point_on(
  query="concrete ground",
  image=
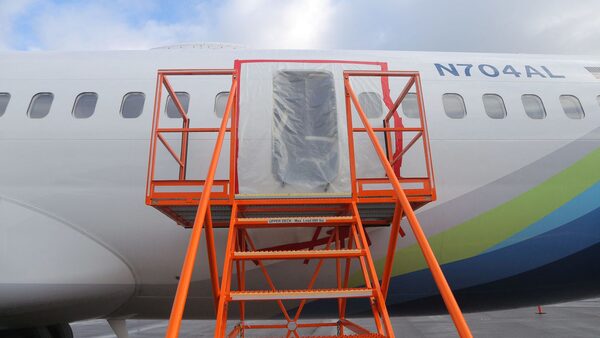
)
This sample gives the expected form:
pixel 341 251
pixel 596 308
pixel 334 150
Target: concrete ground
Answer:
pixel 574 319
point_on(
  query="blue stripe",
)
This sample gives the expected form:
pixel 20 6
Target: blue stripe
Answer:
pixel 502 263
pixel 577 207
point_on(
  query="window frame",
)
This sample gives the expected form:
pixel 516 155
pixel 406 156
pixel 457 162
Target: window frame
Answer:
pixel 125 97
pixel 580 107
pixel 32 103
pixel 77 98
pixel 404 101
pixel 215 105
pixel 378 100
pixel 5 94
pixel 501 100
pixel 186 109
pixel 541 103
pixel 463 104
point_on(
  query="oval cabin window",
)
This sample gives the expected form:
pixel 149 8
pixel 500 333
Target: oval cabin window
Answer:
pixel 454 106
pixel 85 105
pixel 221 103
pixel 572 107
pixel 132 105
pixel 371 103
pixel 172 111
pixel 40 105
pixel 410 106
pixel 4 99
pixel 534 107
pixel 494 106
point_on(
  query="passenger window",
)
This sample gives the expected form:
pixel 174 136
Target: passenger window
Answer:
pixel 4 99
pixel 534 107
pixel 85 105
pixel 371 104
pixel 454 105
pixel 494 106
pixel 40 105
pixel 410 106
pixel 572 107
pixel 133 105
pixel 221 103
pixel 172 111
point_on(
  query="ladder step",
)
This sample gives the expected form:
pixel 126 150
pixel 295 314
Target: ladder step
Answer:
pixel 297 254
pixel 310 221
pixel 300 294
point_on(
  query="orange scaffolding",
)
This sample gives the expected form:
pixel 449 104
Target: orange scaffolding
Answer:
pixel 338 223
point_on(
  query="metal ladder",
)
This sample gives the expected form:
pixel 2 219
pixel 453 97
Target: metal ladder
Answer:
pixel 346 240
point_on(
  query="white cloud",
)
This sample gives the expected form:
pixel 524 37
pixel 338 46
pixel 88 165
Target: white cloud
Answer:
pixel 574 28
pixel 539 26
pixel 276 24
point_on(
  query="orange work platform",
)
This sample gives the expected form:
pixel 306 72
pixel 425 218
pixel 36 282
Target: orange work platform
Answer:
pixel 337 221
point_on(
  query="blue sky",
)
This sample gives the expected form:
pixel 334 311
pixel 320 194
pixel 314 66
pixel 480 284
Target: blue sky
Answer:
pixel 515 26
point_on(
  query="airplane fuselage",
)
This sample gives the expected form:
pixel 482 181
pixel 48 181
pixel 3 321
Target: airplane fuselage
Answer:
pixel 515 222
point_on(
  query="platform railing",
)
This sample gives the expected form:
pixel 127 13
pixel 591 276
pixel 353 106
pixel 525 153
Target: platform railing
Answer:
pixel 422 186
pixel 182 191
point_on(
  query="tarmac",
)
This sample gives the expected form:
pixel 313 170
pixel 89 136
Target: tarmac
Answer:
pixel 573 319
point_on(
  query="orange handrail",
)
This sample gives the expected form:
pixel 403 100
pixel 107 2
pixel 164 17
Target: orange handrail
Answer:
pixel 436 271
pixel 203 206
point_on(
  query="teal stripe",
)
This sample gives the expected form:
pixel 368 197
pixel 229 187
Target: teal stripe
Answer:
pixel 576 208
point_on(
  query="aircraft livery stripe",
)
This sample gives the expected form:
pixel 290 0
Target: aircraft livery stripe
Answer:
pixel 575 208
pixel 494 226
pixel 506 262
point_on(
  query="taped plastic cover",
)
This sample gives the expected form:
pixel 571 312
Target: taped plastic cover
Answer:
pixel 304 133
pixel 293 131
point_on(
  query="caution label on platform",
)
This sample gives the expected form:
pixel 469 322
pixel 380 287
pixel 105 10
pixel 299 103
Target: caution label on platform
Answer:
pixel 297 220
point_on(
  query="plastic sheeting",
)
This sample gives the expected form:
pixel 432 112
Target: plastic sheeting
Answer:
pixel 293 131
pixel 304 133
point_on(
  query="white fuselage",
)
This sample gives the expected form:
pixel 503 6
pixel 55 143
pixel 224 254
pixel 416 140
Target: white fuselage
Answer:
pixel 76 238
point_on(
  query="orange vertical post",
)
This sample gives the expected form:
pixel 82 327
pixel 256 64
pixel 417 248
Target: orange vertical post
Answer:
pixel 221 323
pixel 394 233
pixel 212 258
pixel 155 121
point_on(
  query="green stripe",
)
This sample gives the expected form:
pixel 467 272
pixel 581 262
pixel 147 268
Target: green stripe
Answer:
pixel 490 228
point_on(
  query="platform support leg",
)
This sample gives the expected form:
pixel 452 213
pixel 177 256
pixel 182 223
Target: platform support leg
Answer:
pixel 212 258
pixel 389 260
pixel 184 280
pixel 221 324
pixel 346 280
